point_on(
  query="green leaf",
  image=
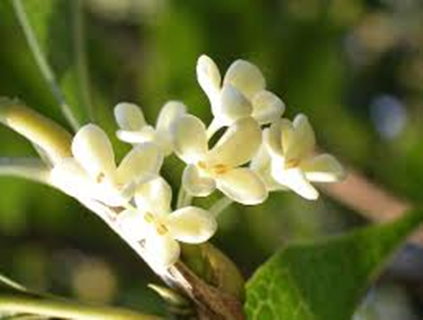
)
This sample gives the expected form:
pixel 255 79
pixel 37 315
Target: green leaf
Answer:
pixel 324 280
pixel 54 32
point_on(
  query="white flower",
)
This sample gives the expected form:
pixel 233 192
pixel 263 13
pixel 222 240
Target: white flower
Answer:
pixel 158 229
pixel 241 93
pixel 135 130
pixel 293 163
pixel 92 172
pixel 220 167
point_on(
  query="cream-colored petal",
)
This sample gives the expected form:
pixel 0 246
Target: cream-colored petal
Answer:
pixel 261 159
pixel 190 139
pixel 242 185
pixel 129 116
pixel 238 145
pixel 71 178
pixel 92 149
pixel 154 196
pixel 272 137
pixel 191 225
pixel 195 183
pixel 133 225
pixel 295 180
pixel 261 164
pixel 161 250
pixel 246 77
pixel 303 141
pixel 170 112
pixel 233 106
pixel 140 164
pixel 323 168
pixel 208 77
pixel 267 107
pixel 145 134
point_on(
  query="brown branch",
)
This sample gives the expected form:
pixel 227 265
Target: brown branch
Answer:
pixel 369 199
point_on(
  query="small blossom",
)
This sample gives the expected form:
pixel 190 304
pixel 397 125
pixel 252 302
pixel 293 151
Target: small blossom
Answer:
pixel 92 172
pixel 241 93
pixel 158 229
pixel 134 129
pixel 293 164
pixel 220 167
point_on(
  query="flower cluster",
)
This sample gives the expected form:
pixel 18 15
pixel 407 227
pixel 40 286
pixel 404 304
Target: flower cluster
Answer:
pixel 256 152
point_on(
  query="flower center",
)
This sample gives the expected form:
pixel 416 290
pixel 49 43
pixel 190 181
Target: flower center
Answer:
pixel 160 227
pixel 213 170
pixel 100 177
pixel 292 163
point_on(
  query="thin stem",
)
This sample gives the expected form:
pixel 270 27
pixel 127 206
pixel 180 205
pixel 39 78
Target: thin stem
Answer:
pixel 32 304
pixel 28 168
pixel 81 57
pixel 43 65
pixel 219 206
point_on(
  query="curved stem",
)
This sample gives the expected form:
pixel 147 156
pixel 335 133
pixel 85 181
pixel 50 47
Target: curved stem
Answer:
pixel 32 304
pixel 219 206
pixel 42 63
pixel 27 168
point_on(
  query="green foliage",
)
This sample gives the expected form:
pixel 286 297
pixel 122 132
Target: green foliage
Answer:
pixel 324 280
pixel 54 33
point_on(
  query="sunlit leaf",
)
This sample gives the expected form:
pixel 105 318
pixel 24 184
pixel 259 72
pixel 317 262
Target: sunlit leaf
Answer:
pixel 324 280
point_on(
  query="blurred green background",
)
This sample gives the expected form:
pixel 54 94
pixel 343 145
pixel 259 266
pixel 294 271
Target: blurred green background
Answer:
pixel 355 67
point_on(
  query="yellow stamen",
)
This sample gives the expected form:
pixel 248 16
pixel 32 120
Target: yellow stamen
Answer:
pixel 202 165
pixel 100 177
pixel 161 229
pixel 220 168
pixel 292 163
pixel 149 217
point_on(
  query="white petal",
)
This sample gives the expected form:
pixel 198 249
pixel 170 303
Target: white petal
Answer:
pixel 132 224
pixel 71 178
pixel 208 76
pixel 295 180
pixel 170 112
pixel 191 225
pixel 92 149
pixel 238 145
pixel 233 106
pixel 242 185
pixel 246 77
pixel 196 184
pixel 267 107
pixel 190 139
pixel 261 159
pixel 323 168
pixel 272 136
pixel 145 134
pixel 302 142
pixel 129 116
pixel 140 164
pixel 161 250
pixel 154 196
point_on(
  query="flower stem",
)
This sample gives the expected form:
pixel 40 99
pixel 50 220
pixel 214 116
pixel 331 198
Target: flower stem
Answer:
pixel 27 168
pixel 220 205
pixel 58 308
pixel 43 64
